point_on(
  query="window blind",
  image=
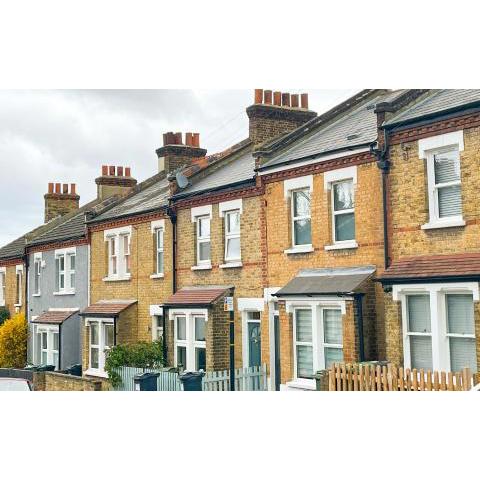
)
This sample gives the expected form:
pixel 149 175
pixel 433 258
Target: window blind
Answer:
pixel 419 313
pixel 447 170
pixel 463 353
pixel 332 326
pixel 449 201
pixel 304 361
pixel 421 352
pixel 333 355
pixel 303 320
pixel 460 314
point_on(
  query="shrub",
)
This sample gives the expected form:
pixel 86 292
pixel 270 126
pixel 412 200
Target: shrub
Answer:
pixel 13 342
pixel 4 315
pixel 139 355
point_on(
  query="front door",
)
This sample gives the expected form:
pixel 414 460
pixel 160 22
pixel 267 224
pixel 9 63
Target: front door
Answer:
pixel 254 344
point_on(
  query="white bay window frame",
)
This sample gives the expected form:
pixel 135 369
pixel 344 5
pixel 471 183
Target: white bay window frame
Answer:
pixel 438 318
pixel 46 353
pixel 101 346
pixel 119 252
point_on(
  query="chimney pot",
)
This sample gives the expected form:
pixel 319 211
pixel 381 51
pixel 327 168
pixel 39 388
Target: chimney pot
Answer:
pixel 258 95
pixel 286 99
pixel 111 170
pixel 104 170
pixel 57 188
pixel 189 139
pixel 50 188
pixel 65 188
pixel 178 138
pixel 119 171
pixel 268 97
pixel 73 188
pixel 196 140
pixel 294 100
pixel 277 98
pixel 304 99
pixel 127 171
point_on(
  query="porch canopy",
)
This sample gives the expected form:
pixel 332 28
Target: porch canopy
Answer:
pixel 463 266
pixel 107 308
pixel 327 281
pixel 197 296
pixel 56 317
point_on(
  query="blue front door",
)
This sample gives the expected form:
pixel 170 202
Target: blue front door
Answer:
pixel 254 345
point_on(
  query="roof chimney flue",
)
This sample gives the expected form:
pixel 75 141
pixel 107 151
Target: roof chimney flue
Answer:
pixel 114 180
pixel 60 199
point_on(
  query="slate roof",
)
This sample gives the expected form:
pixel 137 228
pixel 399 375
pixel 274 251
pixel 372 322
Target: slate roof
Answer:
pixel 196 296
pixel 436 102
pixel 327 281
pixel 107 308
pixel 355 128
pixel 433 266
pixel 148 195
pixel 56 317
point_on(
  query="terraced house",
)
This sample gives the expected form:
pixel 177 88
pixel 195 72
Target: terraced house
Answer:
pixel 431 283
pixel 220 251
pixel 324 239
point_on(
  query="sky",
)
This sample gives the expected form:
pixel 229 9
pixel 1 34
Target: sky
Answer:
pixel 65 136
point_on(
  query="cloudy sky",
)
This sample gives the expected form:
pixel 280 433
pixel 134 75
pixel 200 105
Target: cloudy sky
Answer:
pixel 66 135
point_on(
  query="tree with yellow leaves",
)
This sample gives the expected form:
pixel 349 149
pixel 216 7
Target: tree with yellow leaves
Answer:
pixel 13 342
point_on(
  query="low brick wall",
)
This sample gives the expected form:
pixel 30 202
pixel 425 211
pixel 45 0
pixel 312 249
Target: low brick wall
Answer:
pixel 52 381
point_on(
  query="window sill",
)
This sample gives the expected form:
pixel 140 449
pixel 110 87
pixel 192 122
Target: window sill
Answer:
pixel 301 384
pixel 18 305
pixel 457 222
pixel 36 294
pixel 202 267
pixel 93 372
pixel 342 246
pixel 117 279
pixel 2 304
pixel 232 265
pixel 72 292
pixel 157 275
pixel 299 249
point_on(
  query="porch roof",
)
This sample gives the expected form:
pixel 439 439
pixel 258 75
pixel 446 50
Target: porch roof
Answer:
pixel 327 281
pixel 56 317
pixel 198 296
pixel 107 308
pixel 433 267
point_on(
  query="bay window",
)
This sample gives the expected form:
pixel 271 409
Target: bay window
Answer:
pixel 47 344
pixel 303 334
pixel 190 340
pixel 101 340
pixel 332 336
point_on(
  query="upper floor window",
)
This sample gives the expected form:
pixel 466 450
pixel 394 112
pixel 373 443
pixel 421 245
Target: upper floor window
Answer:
pixel 343 211
pixel 2 286
pixel 118 249
pixel 159 250
pixel 37 265
pixel 203 240
pixel 442 154
pixel 19 286
pixel 301 221
pixel 65 271
pixel 232 236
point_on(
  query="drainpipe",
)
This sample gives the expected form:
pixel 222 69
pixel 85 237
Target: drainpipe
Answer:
pixel 358 301
pixel 172 214
pixel 60 346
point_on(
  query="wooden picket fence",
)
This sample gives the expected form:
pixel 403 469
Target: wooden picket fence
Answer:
pixel 358 377
pixel 250 379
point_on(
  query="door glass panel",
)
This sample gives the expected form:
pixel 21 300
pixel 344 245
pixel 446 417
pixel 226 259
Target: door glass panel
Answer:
pixel 254 344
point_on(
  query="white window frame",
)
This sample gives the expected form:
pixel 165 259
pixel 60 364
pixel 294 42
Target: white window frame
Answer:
pixel 3 281
pixel 438 317
pixel 189 343
pixel 203 239
pixel 18 285
pixel 49 331
pixel 117 253
pixel 102 323
pixel 37 274
pixel 336 213
pixel 159 250
pixel 428 148
pixel 67 272
pixel 300 217
pixel 232 236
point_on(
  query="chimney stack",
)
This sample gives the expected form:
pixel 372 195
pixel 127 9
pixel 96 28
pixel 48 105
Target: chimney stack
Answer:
pixel 114 181
pixel 277 113
pixel 175 154
pixel 60 200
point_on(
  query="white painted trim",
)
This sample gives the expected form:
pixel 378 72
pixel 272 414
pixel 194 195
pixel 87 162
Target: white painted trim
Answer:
pixel 201 211
pixel 314 161
pixel 348 244
pixel 458 287
pixel 117 278
pixel 230 205
pixel 37 256
pixel 66 251
pixel 268 292
pixel 18 268
pixel 113 232
pixel 206 266
pixel 296 184
pixel 231 265
pixel 440 141
pixel 332 176
pixel 300 384
pixel 157 275
pixel 299 249
pixel 156 224
pixel 60 309
pixel 253 304
pixel 245 322
pixel 323 302
pixel 156 310
pixel 448 222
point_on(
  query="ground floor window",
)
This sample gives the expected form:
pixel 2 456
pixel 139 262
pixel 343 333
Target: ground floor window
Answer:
pixel 102 338
pixel 190 340
pixel 439 326
pixel 157 327
pixel 47 345
pixel 318 338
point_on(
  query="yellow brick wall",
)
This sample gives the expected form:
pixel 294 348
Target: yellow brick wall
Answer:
pixel 369 235
pixel 247 279
pixel 409 202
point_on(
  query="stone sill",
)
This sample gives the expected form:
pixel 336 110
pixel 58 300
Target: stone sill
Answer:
pixel 299 249
pixel 300 384
pixel 457 222
pixel 202 267
pixel 342 246
pixel 232 265
pixel 92 372
pixel 63 293
pixel 157 275
pixel 117 279
pixel 36 294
